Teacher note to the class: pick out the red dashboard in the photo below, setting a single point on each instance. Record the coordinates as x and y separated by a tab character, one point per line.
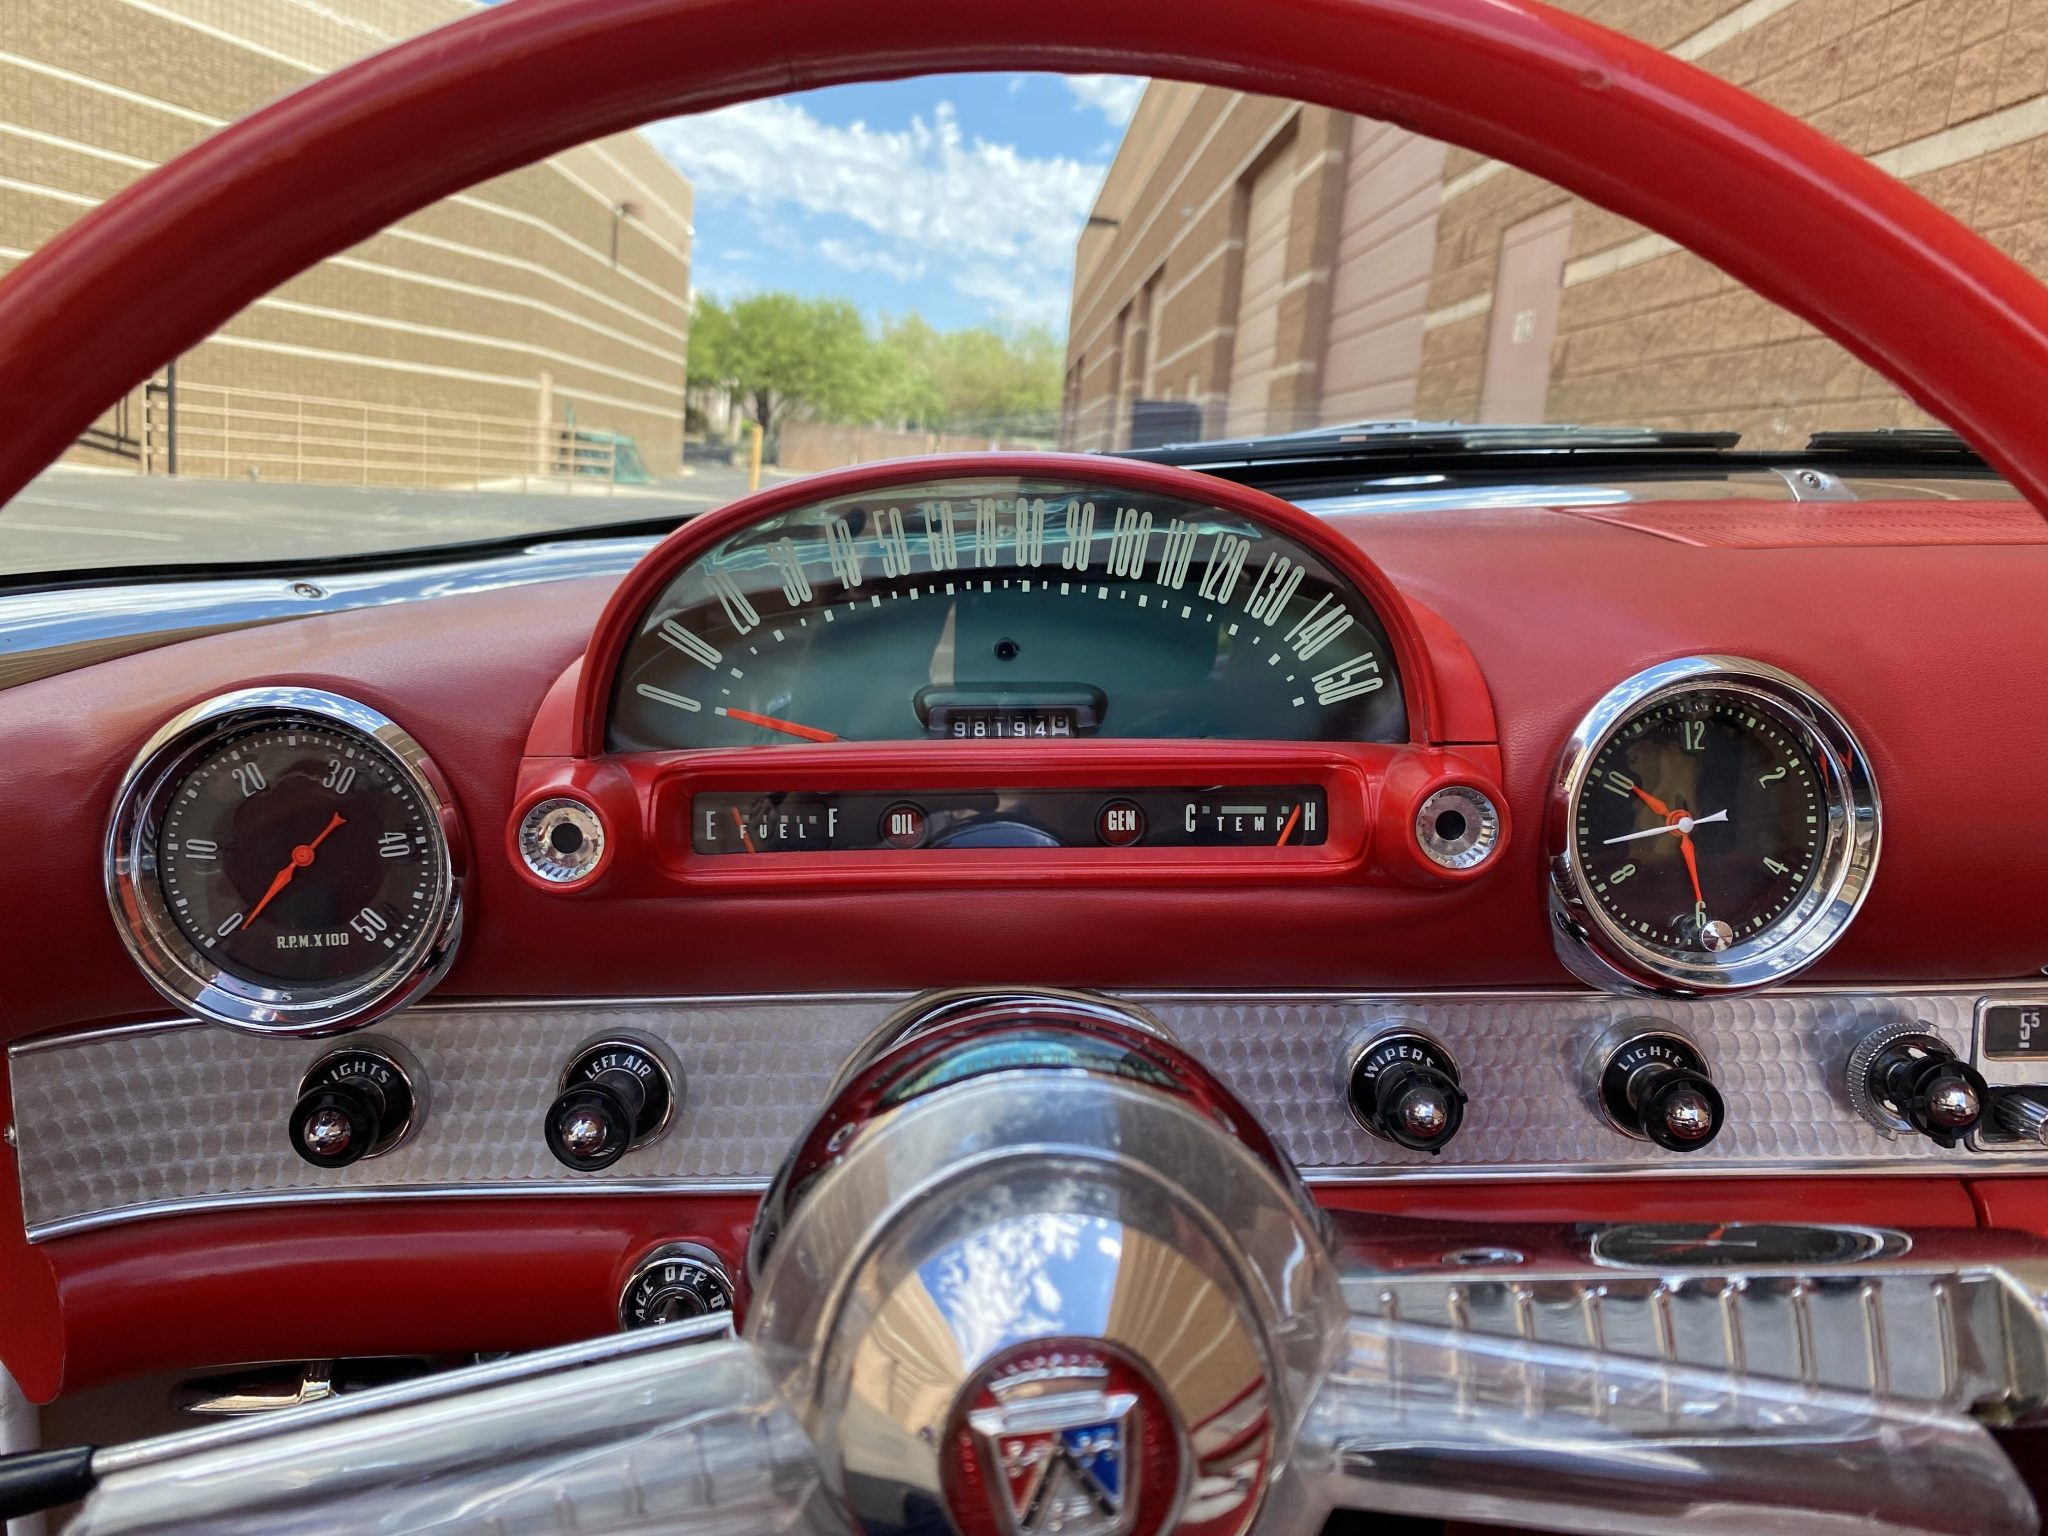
1521	617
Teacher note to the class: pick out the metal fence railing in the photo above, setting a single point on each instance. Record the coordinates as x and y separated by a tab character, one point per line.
233	433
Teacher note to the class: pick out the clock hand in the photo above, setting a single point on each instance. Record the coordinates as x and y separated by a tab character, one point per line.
1681	824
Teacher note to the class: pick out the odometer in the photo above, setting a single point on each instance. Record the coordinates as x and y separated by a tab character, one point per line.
1005	610
281	863
1722	827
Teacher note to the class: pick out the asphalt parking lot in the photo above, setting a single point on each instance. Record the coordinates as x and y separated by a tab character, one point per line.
69	519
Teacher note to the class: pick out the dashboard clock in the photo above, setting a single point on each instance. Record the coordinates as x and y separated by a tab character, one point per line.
1717	828
280	861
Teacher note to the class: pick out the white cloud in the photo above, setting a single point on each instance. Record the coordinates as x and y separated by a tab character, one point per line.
1114	96
855	257
929	193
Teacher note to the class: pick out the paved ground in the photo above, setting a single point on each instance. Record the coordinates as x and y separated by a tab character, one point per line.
69	519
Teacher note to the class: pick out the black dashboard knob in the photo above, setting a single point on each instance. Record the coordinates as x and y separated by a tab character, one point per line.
1903	1077
1655	1083
1402	1085
618	1093
355	1102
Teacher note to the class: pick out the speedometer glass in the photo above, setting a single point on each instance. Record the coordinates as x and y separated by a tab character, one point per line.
1006	610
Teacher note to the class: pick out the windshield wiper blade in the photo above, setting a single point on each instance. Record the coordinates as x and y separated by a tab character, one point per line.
1419	439
1896	443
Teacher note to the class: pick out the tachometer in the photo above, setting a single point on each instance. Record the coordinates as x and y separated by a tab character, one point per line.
1720	830
279	861
1006	610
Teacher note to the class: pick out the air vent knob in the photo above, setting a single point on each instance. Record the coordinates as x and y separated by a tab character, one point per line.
618	1093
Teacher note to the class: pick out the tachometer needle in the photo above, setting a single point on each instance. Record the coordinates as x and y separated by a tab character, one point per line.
787	727
1680	824
301	857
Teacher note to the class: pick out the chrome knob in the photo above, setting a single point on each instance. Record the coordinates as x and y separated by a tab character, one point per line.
618	1092
1688	1114
356	1102
1402	1085
1653	1082
328	1132
2021	1113
1954	1103
1903	1077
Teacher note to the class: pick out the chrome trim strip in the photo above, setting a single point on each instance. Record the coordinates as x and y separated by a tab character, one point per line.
49	632
57	1039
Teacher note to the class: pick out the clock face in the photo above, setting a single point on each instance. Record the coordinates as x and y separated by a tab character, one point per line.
1702	822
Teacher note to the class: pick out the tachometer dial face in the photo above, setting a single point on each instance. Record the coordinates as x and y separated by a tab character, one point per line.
986	610
280	861
1702	823
296	854
1720	828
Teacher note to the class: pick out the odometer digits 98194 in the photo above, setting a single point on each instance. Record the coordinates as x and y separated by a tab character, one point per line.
1722	827
1000	609
280	862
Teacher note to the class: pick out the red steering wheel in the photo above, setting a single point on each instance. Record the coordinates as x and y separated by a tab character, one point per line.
1957	325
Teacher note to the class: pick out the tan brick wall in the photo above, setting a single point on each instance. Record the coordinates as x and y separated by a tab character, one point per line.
527	292
1945	93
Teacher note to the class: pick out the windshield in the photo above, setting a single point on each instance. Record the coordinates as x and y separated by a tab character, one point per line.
641	328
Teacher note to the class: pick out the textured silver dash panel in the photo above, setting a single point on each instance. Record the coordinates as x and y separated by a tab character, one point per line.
125	1123
128	1119
1777	1056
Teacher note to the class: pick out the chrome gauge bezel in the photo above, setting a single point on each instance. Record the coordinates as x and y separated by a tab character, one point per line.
196	982
1599	951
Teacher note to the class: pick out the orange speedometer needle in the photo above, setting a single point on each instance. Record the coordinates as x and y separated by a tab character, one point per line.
301	857
787	727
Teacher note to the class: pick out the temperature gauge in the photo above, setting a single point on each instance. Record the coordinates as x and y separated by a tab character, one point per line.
790	821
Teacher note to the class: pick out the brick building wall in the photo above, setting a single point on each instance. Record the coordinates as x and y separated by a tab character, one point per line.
1603	322
560	290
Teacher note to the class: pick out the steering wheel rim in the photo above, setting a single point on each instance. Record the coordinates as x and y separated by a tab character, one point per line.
1934	307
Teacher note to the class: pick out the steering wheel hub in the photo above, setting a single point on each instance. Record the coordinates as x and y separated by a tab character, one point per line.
1043	1286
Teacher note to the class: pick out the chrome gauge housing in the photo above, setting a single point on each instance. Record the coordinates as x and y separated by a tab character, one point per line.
376	914
1800	846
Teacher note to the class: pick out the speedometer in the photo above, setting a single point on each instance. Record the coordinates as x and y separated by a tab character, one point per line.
1006	610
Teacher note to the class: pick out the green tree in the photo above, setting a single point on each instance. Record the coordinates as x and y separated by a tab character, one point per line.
780	353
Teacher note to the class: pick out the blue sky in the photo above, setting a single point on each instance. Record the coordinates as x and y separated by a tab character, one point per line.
957	196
